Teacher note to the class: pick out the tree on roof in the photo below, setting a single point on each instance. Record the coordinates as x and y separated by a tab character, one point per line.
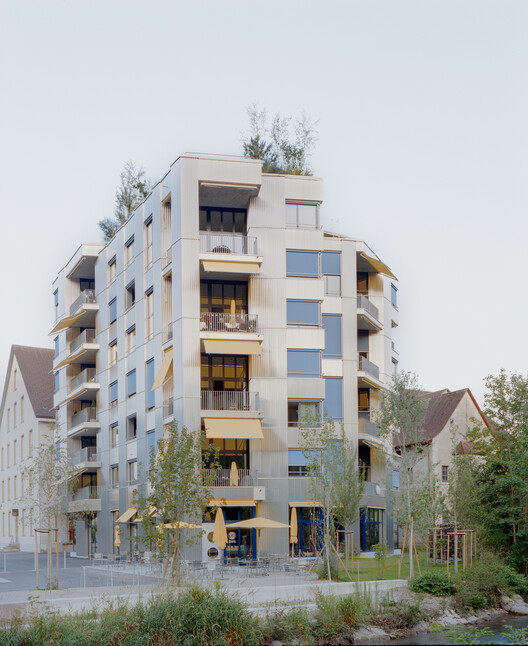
133	189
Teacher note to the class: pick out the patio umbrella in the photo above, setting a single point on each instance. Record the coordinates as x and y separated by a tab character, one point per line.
233	476
179	524
293	527
233	311
117	537
220	532
258	523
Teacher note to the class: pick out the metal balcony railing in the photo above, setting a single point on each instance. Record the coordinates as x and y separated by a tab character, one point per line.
87	375
223	478
332	285
86	296
364	303
88	454
168	407
229	400
86	336
85	415
92	492
368	427
167	333
227	243
373	489
227	322
367	366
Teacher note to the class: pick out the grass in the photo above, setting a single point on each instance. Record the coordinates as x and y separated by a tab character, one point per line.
368	568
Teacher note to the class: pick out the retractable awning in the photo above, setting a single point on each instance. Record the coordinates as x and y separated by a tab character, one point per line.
231	346
231	267
304	503
70	359
233	428
379	266
232	503
165	370
66	322
129	513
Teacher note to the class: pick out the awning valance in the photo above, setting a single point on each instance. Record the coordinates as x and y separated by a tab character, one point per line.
129	513
233	428
232	503
231	346
165	371
231	267
70	359
66	322
379	266
304	503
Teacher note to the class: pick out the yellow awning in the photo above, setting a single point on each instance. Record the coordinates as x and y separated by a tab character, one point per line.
231	267
129	513
233	428
231	346
70	359
73	396
179	524
232	503
371	383
379	266
166	368
304	503
259	522
66	322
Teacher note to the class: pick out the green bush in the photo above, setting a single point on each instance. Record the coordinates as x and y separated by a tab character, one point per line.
435	583
288	625
337	617
396	615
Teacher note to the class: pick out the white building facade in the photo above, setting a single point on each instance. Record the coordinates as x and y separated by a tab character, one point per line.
221	303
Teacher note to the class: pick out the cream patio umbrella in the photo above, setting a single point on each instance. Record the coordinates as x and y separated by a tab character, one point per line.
258	523
179	524
233	475
220	532
293	528
117	536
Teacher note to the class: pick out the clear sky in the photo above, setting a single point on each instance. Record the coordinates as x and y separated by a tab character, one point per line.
423	143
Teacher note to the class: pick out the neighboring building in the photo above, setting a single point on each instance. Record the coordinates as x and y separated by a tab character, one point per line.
221	303
26	422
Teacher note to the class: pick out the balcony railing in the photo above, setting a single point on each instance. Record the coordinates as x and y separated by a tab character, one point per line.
85	415
368	427
229	400
364	303
168	407
86	336
227	322
88	454
167	333
223	478
373	489
227	243
332	285
92	492
367	366
87	375
86	296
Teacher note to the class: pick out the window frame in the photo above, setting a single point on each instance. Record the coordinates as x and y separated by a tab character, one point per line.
303	375
291	303
306	252
131	378
333	335
289	220
112	310
150	377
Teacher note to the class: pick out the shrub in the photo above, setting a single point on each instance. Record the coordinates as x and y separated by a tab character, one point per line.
337	617
381	551
288	625
435	583
395	615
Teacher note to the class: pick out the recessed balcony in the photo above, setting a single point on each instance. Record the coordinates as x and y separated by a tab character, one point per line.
229	487
83	386
84	422
230	333
232	401
83	349
83	312
229	254
85	499
231	414
368	374
367	315
86	459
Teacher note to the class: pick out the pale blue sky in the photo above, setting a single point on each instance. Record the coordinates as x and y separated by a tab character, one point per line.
423	110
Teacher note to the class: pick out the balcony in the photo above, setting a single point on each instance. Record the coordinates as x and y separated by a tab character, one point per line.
230	333
240	322
84	422
373	489
229	400
366	427
86	458
367	315
86	376
82	386
82	313
368	374
86	336
86	499
166	333
229	490
229	254
86	296
224	478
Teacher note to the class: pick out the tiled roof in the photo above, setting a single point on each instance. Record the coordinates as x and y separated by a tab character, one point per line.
35	365
441	405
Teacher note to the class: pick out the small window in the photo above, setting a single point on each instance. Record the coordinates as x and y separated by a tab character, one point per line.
113	393
445	473
304	363
302	312
15	379
14	415
297	463
132	428
304	414
22	409
57	346
114	436
130	294
112	270
149	314
150	394
364	400
132	472
56	302
331	263
333	402
112	353
394	295
131	383
332	328
112	307
114	476
394	366
302	263
57	382
148	242
151	442
129	250
30	443
130	339
302	216
395	479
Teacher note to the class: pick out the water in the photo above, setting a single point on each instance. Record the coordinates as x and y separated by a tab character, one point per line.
497	626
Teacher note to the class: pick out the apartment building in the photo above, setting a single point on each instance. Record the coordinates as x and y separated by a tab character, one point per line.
26	423
221	303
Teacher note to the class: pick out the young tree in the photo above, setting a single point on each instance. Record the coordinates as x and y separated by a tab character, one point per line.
401	419
179	493
334	477
283	148
133	189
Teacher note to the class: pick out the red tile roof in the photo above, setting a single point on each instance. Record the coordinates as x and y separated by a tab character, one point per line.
35	366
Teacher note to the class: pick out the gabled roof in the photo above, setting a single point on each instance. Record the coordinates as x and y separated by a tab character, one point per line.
35	365
441	406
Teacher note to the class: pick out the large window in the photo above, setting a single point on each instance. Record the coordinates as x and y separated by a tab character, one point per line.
130	294
132	472
304	363
227	221
333	403
302	215
132	427
112	307
297	463
131	383
150	376
302	312
331	268
332	328
302	263
112	352
224	373
304	413
225	452
219	296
